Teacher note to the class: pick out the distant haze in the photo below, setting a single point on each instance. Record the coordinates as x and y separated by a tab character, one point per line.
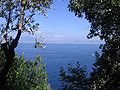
60	26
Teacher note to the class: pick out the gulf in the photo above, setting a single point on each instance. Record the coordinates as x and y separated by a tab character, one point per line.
60	55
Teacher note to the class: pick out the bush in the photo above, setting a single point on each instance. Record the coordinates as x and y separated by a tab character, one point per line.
74	78
25	75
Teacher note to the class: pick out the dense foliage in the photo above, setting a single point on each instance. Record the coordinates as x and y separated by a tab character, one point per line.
17	15
11	11
25	75
74	78
104	17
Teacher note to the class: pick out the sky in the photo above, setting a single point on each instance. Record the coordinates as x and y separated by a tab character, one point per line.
61	26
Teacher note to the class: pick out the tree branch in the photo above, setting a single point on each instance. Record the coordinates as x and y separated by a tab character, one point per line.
9	52
20	25
28	19
8	21
7	26
15	41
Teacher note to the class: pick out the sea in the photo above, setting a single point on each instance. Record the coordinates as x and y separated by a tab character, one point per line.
55	56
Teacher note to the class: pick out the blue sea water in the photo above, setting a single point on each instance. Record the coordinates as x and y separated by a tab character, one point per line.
60	55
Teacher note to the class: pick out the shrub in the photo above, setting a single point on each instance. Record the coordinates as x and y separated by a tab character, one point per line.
25	75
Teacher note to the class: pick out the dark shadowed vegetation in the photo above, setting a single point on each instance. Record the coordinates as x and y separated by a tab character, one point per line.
104	17
25	75
18	16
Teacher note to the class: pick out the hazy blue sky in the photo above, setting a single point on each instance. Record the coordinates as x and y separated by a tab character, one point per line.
61	26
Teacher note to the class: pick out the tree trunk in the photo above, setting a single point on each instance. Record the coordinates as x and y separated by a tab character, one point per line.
9	54
9	49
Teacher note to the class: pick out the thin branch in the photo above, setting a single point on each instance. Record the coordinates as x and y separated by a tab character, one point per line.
8	21
7	27
28	19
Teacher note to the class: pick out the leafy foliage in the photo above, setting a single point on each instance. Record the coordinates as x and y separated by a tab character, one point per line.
26	75
105	74
104	16
2	58
10	11
18	15
106	69
75	78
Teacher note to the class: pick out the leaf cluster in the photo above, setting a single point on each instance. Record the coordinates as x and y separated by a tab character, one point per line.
74	78
26	75
103	15
10	12
106	69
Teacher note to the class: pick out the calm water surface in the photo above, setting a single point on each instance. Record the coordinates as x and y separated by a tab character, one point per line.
57	55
